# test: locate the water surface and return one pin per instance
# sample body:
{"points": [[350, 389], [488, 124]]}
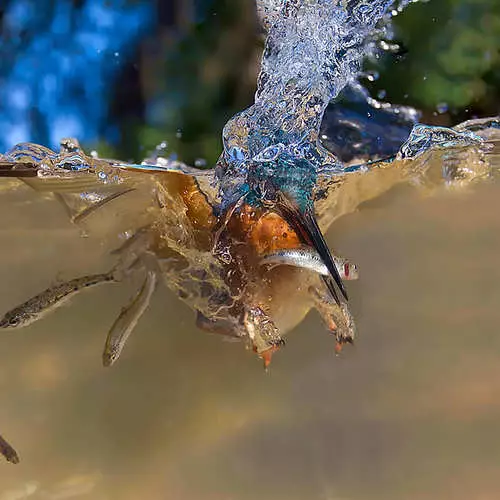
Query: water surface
{"points": [[410, 412]]}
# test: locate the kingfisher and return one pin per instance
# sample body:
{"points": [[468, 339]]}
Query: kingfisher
{"points": [[278, 172]]}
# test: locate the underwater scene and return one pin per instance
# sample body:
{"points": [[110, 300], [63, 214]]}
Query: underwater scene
{"points": [[249, 249]]}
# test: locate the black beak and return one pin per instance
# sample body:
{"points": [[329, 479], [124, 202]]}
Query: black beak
{"points": [[307, 229]]}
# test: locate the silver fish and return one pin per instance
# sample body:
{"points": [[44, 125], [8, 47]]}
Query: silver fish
{"points": [[8, 452], [45, 302], [308, 258], [126, 322]]}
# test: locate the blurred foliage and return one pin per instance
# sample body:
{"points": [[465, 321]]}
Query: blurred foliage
{"points": [[451, 58]]}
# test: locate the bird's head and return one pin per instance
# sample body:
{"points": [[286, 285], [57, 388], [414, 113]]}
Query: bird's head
{"points": [[284, 183]]}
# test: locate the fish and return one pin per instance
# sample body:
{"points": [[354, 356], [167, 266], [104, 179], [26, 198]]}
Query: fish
{"points": [[47, 301], [308, 258], [99, 204], [8, 452], [127, 320]]}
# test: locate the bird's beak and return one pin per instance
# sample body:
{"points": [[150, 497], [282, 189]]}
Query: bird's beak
{"points": [[303, 222]]}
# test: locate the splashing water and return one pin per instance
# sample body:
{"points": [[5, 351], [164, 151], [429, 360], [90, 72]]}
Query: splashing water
{"points": [[273, 151], [357, 127], [423, 137], [313, 50]]}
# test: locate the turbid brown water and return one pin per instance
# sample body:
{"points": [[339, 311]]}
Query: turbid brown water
{"points": [[411, 411]]}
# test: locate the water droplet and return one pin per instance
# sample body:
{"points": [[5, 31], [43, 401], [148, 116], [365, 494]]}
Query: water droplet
{"points": [[371, 76], [389, 47], [442, 107], [381, 94], [200, 162], [270, 153], [178, 134], [236, 154]]}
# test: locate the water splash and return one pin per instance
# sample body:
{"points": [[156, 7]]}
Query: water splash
{"points": [[424, 137], [272, 156], [311, 116], [358, 128], [314, 49]]}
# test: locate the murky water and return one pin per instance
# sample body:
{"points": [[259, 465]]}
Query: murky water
{"points": [[410, 412]]}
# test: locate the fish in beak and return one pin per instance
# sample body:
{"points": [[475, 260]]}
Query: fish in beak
{"points": [[303, 222]]}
